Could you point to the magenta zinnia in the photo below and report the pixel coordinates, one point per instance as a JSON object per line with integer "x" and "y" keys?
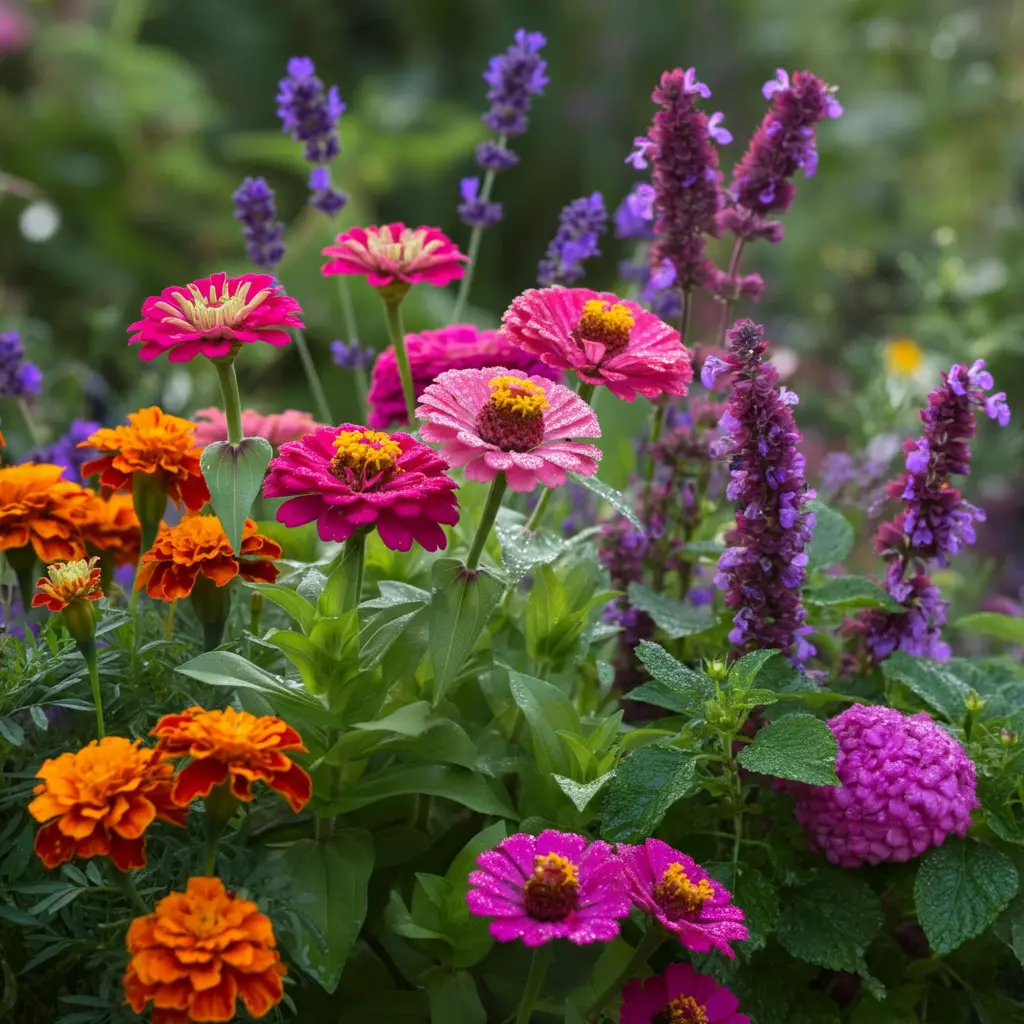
{"x": 214, "y": 316}
{"x": 679, "y": 996}
{"x": 683, "y": 898}
{"x": 277, "y": 427}
{"x": 346, "y": 478}
{"x": 498, "y": 420}
{"x": 551, "y": 886}
{"x": 603, "y": 339}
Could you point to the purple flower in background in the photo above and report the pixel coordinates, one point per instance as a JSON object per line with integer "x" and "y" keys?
{"x": 634, "y": 217}
{"x": 324, "y": 196}
{"x": 492, "y": 156}
{"x": 18, "y": 377}
{"x": 474, "y": 210}
{"x": 579, "y": 225}
{"x": 352, "y": 355}
{"x": 763, "y": 568}
{"x": 65, "y": 451}
{"x": 918, "y": 630}
{"x": 263, "y": 232}
{"x": 513, "y": 77}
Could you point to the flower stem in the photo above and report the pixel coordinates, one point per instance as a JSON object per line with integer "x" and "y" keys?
{"x": 126, "y": 884}
{"x": 534, "y": 982}
{"x": 323, "y": 410}
{"x": 30, "y": 422}
{"x": 393, "y": 313}
{"x": 232, "y": 400}
{"x": 490, "y": 513}
{"x": 649, "y": 944}
{"x": 353, "y": 557}
{"x": 210, "y": 857}
{"x": 734, "y": 266}
{"x": 88, "y": 649}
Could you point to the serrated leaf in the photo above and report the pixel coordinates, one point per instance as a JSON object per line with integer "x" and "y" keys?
{"x": 799, "y": 747}
{"x": 581, "y": 793}
{"x": 692, "y": 686}
{"x": 676, "y": 618}
{"x": 852, "y": 592}
{"x": 616, "y": 499}
{"x": 935, "y": 684}
{"x": 1003, "y": 627}
{"x": 832, "y": 537}
{"x": 960, "y": 889}
{"x": 746, "y": 669}
{"x": 755, "y": 895}
{"x": 234, "y": 473}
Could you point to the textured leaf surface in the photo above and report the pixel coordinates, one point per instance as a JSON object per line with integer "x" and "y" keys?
{"x": 832, "y": 537}
{"x": 852, "y": 592}
{"x": 692, "y": 685}
{"x": 798, "y": 747}
{"x": 757, "y": 898}
{"x": 935, "y": 684}
{"x": 234, "y": 474}
{"x": 581, "y": 793}
{"x": 1002, "y": 627}
{"x": 746, "y": 669}
{"x": 676, "y": 618}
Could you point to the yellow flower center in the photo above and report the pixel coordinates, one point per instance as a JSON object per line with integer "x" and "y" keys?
{"x": 72, "y": 580}
{"x": 684, "y": 1010}
{"x": 513, "y": 394}
{"x": 513, "y": 417}
{"x": 903, "y": 357}
{"x": 211, "y": 311}
{"x": 608, "y": 324}
{"x": 365, "y": 453}
{"x": 678, "y": 896}
{"x": 550, "y": 893}
{"x": 402, "y": 251}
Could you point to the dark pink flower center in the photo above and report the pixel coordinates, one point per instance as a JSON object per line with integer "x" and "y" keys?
{"x": 684, "y": 1010}
{"x": 513, "y": 417}
{"x": 610, "y": 325}
{"x": 551, "y": 892}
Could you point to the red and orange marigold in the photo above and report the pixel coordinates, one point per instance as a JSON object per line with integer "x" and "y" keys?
{"x": 67, "y": 582}
{"x": 236, "y": 745}
{"x": 40, "y": 509}
{"x": 199, "y": 953}
{"x": 99, "y": 801}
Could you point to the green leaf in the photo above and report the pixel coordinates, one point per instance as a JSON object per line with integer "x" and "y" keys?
{"x": 746, "y": 669}
{"x": 341, "y": 591}
{"x": 234, "y": 474}
{"x": 832, "y": 537}
{"x": 290, "y": 600}
{"x": 522, "y": 549}
{"x": 548, "y": 711}
{"x": 328, "y": 884}
{"x": 756, "y": 896}
{"x": 799, "y": 747}
{"x": 546, "y": 607}
{"x": 961, "y": 888}
{"x": 460, "y": 607}
{"x": 935, "y": 684}
{"x": 646, "y": 785}
{"x": 692, "y": 687}
{"x": 848, "y": 593}
{"x": 676, "y": 618}
{"x": 581, "y": 793}
{"x": 12, "y": 732}
{"x": 616, "y": 499}
{"x": 453, "y": 998}
{"x": 1002, "y": 627}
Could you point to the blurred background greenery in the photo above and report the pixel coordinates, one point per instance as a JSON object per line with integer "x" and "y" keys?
{"x": 126, "y": 124}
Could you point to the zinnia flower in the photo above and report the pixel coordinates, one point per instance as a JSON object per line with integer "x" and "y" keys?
{"x": 676, "y": 891}
{"x": 198, "y": 544}
{"x": 679, "y": 996}
{"x": 551, "y": 886}
{"x": 66, "y": 582}
{"x": 348, "y": 478}
{"x": 198, "y": 953}
{"x": 605, "y": 340}
{"x": 497, "y": 420}
{"x": 39, "y": 508}
{"x": 906, "y": 785}
{"x": 456, "y": 347}
{"x": 236, "y": 745}
{"x": 111, "y": 526}
{"x": 393, "y": 252}
{"x": 277, "y": 427}
{"x": 153, "y": 443}
{"x": 99, "y": 801}
{"x": 214, "y": 317}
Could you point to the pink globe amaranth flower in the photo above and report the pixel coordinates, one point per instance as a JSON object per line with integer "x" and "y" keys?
{"x": 679, "y": 996}
{"x": 498, "y": 420}
{"x": 348, "y": 477}
{"x": 604, "y": 339}
{"x": 214, "y": 317}
{"x": 456, "y": 347}
{"x": 551, "y": 886}
{"x": 676, "y": 891}
{"x": 278, "y": 427}
{"x": 393, "y": 252}
{"x": 906, "y": 785}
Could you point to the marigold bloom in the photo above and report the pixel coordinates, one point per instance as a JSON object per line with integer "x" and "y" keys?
{"x": 152, "y": 442}
{"x": 347, "y": 478}
{"x": 66, "y": 582}
{"x": 551, "y": 886}
{"x": 110, "y": 524}
{"x": 214, "y": 317}
{"x": 99, "y": 801}
{"x": 604, "y": 339}
{"x": 676, "y": 891}
{"x": 198, "y": 953}
{"x": 236, "y": 745}
{"x": 393, "y": 252}
{"x": 198, "y": 544}
{"x": 679, "y": 996}
{"x": 497, "y": 420}
{"x": 40, "y": 508}
{"x": 277, "y": 427}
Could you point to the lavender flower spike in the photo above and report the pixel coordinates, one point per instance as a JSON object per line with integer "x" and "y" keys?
{"x": 263, "y": 232}
{"x": 514, "y": 77}
{"x": 579, "y": 225}
{"x": 475, "y": 211}
{"x": 18, "y": 377}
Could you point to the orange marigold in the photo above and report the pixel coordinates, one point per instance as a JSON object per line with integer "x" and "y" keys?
{"x": 198, "y": 953}
{"x": 37, "y": 507}
{"x": 66, "y": 582}
{"x": 233, "y": 744}
{"x": 99, "y": 802}
{"x": 198, "y": 544}
{"x": 112, "y": 525}
{"x": 152, "y": 442}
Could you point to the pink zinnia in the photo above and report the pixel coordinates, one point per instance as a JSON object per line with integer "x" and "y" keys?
{"x": 551, "y": 886}
{"x": 604, "y": 339}
{"x": 456, "y": 347}
{"x": 278, "y": 427}
{"x": 393, "y": 252}
{"x": 676, "y": 891}
{"x": 497, "y": 420}
{"x": 349, "y": 477}
{"x": 214, "y": 317}
{"x": 679, "y": 996}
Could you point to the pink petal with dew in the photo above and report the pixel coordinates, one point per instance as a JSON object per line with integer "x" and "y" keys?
{"x": 300, "y": 511}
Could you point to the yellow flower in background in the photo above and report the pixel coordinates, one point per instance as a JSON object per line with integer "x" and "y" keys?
{"x": 903, "y": 357}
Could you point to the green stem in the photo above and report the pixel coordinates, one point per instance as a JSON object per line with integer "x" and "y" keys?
{"x": 323, "y": 829}
{"x": 213, "y": 834}
{"x": 30, "y": 423}
{"x": 88, "y": 649}
{"x": 649, "y": 944}
{"x": 734, "y": 266}
{"x": 490, "y": 513}
{"x": 312, "y": 378}
{"x": 126, "y": 884}
{"x": 736, "y": 799}
{"x": 393, "y": 313}
{"x": 534, "y": 982}
{"x": 232, "y": 400}
{"x": 169, "y": 624}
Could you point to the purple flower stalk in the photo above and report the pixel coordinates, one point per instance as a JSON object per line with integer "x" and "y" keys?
{"x": 492, "y": 156}
{"x": 352, "y": 355}
{"x": 513, "y": 78}
{"x": 634, "y": 217}
{"x": 65, "y": 451}
{"x": 18, "y": 377}
{"x": 475, "y": 211}
{"x": 262, "y": 231}
{"x": 579, "y": 225}
{"x": 763, "y": 569}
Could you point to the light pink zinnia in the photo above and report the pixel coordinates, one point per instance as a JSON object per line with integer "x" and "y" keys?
{"x": 551, "y": 886}
{"x": 456, "y": 347}
{"x": 393, "y": 252}
{"x": 213, "y": 317}
{"x": 278, "y": 427}
{"x": 604, "y": 339}
{"x": 498, "y": 420}
{"x": 676, "y": 891}
{"x": 679, "y": 995}
{"x": 348, "y": 477}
